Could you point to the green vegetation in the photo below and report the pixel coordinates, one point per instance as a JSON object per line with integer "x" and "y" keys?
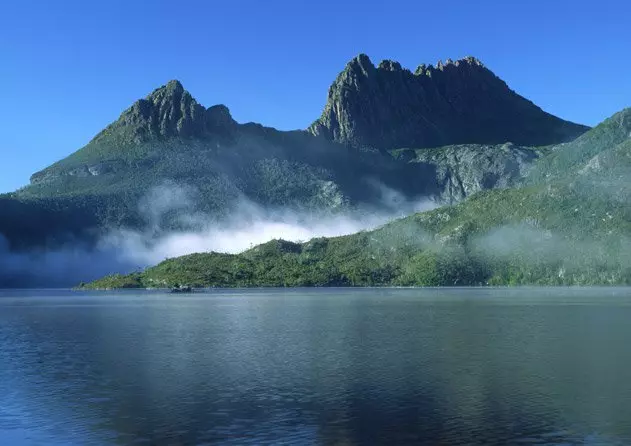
{"x": 561, "y": 227}
{"x": 502, "y": 237}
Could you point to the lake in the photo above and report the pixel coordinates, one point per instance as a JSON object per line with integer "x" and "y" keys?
{"x": 320, "y": 366}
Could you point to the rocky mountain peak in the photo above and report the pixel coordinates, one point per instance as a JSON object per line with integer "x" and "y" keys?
{"x": 389, "y": 65}
{"x": 170, "y": 111}
{"x": 454, "y": 102}
{"x": 219, "y": 116}
{"x": 171, "y": 88}
{"x": 360, "y": 63}
{"x": 471, "y": 61}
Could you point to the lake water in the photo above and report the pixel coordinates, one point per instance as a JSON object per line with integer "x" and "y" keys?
{"x": 330, "y": 367}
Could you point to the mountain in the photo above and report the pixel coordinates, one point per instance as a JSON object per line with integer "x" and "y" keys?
{"x": 169, "y": 166}
{"x": 169, "y": 136}
{"x": 567, "y": 223}
{"x": 461, "y": 102}
{"x": 169, "y": 140}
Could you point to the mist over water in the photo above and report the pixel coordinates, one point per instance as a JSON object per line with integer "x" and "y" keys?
{"x": 56, "y": 267}
{"x": 247, "y": 225}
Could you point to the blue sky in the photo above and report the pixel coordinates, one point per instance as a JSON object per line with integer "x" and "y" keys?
{"x": 68, "y": 68}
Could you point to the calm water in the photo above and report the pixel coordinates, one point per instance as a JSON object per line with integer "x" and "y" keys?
{"x": 339, "y": 367}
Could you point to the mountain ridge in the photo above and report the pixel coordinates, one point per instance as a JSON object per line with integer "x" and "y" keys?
{"x": 168, "y": 137}
{"x": 388, "y": 106}
{"x": 170, "y": 120}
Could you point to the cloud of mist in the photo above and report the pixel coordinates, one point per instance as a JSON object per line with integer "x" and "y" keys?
{"x": 247, "y": 225}
{"x": 56, "y": 268}
{"x": 606, "y": 260}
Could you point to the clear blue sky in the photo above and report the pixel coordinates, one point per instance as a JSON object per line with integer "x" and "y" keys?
{"x": 69, "y": 67}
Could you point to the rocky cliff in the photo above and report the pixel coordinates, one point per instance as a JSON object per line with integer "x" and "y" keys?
{"x": 462, "y": 170}
{"x": 170, "y": 111}
{"x": 462, "y": 102}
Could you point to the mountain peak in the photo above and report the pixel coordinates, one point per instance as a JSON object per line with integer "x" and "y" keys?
{"x": 362, "y": 59}
{"x": 219, "y": 117}
{"x": 172, "y": 90}
{"x": 453, "y": 102}
{"x": 174, "y": 84}
{"x": 360, "y": 64}
{"x": 389, "y": 65}
{"x": 169, "y": 111}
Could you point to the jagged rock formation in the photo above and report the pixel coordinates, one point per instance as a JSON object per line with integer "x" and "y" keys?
{"x": 461, "y": 102}
{"x": 170, "y": 111}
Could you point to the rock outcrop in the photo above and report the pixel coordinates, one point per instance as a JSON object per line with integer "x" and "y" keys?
{"x": 462, "y": 170}
{"x": 461, "y": 102}
{"x": 169, "y": 112}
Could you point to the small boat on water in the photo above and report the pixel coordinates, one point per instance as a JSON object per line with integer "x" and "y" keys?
{"x": 182, "y": 289}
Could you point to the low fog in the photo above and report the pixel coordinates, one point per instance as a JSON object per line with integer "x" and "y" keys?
{"x": 249, "y": 224}
{"x": 537, "y": 247}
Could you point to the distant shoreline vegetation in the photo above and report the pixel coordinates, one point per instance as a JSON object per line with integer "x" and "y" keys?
{"x": 492, "y": 239}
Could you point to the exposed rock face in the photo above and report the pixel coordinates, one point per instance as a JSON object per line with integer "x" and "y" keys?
{"x": 168, "y": 112}
{"x": 461, "y": 102}
{"x": 218, "y": 116}
{"x": 462, "y": 170}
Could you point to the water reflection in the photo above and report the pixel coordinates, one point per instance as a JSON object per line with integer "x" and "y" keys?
{"x": 317, "y": 367}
